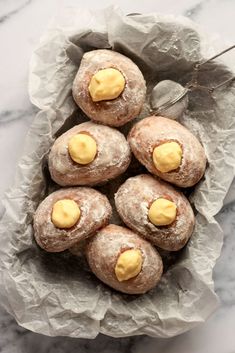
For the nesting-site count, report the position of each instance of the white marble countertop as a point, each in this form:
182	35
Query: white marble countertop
22	22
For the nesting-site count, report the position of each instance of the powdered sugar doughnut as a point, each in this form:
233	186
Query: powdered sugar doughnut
112	159
127	105
104	249
95	212
154	131
133	200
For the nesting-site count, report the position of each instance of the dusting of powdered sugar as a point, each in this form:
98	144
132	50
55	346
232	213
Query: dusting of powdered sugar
106	246
113	156
133	200
114	112
152	131
95	213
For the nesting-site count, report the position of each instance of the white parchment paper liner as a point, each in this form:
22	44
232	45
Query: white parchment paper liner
55	294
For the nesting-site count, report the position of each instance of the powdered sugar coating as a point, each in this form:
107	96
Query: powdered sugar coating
155	130
114	112
95	213
104	249
112	159
133	200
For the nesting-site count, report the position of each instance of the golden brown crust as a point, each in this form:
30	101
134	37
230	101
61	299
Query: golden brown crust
112	159
104	249
154	130
114	112
133	200
95	213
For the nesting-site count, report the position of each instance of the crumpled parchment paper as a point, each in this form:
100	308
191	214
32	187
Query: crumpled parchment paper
56	294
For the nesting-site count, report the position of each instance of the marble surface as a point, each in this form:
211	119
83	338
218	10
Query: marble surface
22	22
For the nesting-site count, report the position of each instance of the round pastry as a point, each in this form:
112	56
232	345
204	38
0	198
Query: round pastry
154	209
68	216
169	150
88	154
109	87
123	260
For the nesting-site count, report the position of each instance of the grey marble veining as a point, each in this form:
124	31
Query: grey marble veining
21	23
7	9
11	115
224	272
194	11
